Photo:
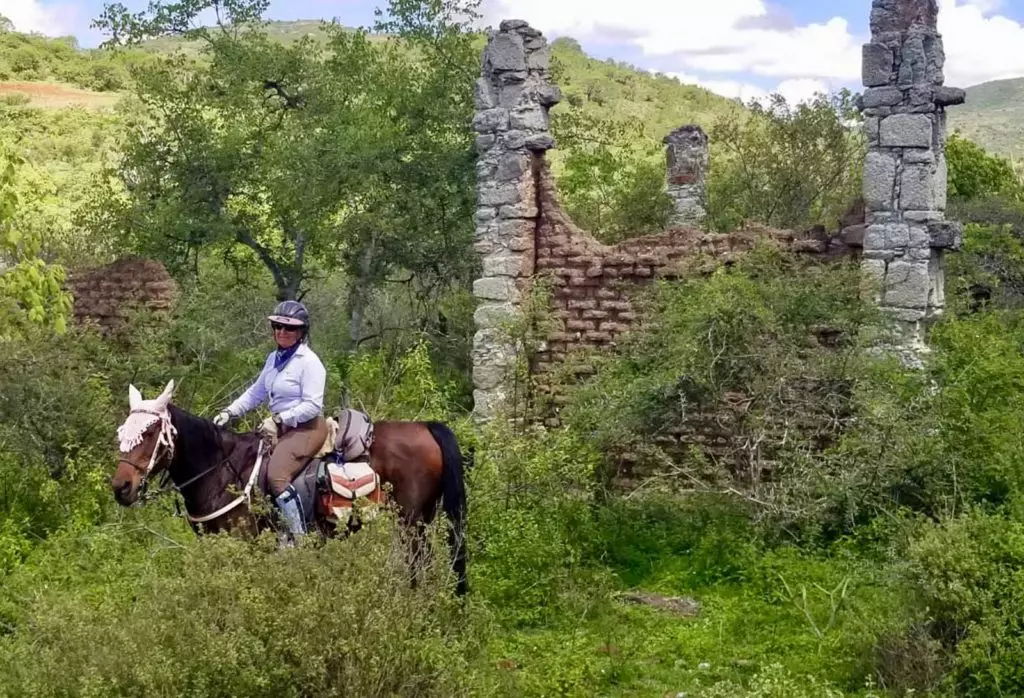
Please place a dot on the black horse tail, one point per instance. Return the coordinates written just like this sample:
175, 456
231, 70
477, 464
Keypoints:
453, 499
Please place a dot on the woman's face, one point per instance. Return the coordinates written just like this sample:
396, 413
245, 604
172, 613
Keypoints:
285, 336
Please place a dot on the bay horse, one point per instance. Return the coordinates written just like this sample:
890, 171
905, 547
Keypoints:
206, 464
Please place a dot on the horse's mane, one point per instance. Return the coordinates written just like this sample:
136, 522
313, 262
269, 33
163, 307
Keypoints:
201, 443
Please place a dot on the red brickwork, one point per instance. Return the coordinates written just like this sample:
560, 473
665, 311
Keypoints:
104, 296
592, 282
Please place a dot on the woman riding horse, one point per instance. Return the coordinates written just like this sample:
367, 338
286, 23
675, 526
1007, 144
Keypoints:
292, 380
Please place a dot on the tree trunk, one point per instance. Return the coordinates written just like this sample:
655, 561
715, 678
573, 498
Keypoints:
359, 296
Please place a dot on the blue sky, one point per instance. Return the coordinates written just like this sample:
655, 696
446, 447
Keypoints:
735, 47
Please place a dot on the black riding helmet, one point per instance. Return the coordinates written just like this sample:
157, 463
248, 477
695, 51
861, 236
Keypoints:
291, 313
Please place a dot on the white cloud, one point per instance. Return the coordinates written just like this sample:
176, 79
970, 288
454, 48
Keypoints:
795, 90
979, 47
32, 16
753, 37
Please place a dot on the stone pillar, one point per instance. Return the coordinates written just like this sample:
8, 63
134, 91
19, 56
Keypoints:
686, 155
905, 168
513, 97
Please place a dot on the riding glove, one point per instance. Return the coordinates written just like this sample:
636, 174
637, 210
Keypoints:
269, 429
222, 418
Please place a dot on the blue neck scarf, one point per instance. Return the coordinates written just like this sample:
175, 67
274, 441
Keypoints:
282, 355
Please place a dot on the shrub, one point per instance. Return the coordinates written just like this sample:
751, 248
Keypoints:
218, 617
966, 572
530, 503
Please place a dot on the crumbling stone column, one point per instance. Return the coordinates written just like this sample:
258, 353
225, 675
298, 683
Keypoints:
905, 168
513, 97
686, 156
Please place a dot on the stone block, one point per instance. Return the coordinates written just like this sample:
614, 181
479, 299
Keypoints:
549, 95
913, 61
499, 195
886, 236
881, 97
491, 120
511, 166
505, 52
871, 129
922, 216
917, 188
853, 236
513, 140
936, 56
539, 59
484, 143
916, 156
484, 215
877, 65
510, 25
485, 169
510, 96
940, 181
928, 108
919, 237
494, 315
540, 142
906, 285
908, 314
905, 131
879, 180
946, 235
499, 288
530, 119
504, 265
484, 96
949, 96
921, 94
527, 208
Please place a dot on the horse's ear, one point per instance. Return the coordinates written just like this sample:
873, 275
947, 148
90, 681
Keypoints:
165, 396
134, 397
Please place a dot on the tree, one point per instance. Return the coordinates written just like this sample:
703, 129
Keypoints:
974, 173
785, 166
31, 291
613, 177
302, 157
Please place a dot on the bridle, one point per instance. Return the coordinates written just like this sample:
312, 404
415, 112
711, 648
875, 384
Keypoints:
165, 439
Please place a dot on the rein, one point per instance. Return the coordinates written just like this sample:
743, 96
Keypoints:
166, 438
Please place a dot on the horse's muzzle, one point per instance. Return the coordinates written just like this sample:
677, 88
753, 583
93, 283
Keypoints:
124, 494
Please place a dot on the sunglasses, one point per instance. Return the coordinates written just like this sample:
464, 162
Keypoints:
287, 328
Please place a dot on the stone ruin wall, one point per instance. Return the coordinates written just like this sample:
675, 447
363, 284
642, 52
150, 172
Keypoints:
523, 233
904, 107
898, 230
105, 296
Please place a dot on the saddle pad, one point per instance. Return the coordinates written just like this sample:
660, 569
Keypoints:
352, 480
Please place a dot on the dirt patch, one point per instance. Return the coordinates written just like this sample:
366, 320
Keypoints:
49, 95
676, 605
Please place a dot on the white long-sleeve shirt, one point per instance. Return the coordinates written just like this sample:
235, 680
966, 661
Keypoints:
296, 392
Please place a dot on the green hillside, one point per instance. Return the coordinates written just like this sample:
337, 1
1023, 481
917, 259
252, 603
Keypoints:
993, 116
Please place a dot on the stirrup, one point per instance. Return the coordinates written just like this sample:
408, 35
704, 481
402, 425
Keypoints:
290, 506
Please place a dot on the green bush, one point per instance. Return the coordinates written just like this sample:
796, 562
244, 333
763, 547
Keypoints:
218, 617
530, 501
966, 572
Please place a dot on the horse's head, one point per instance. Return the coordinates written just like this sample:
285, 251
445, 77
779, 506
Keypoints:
146, 442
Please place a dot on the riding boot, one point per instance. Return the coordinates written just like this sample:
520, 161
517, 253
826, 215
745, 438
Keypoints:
290, 506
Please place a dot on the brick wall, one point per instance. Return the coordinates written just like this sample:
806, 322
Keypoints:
103, 296
592, 283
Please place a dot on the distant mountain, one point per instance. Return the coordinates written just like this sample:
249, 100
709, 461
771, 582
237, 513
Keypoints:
993, 117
